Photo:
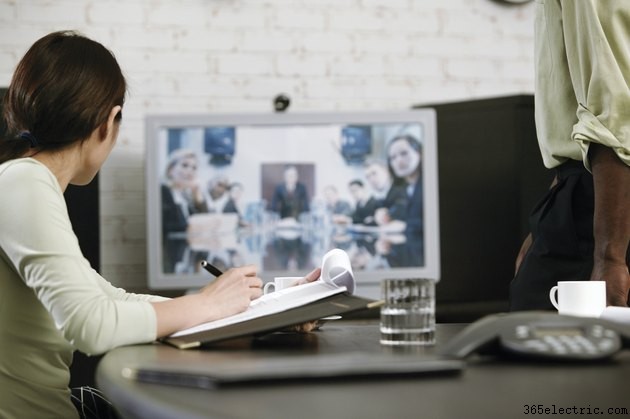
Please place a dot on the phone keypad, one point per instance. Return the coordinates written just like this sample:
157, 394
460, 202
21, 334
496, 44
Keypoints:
595, 341
570, 344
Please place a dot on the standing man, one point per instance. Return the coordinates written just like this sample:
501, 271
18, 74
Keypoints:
581, 229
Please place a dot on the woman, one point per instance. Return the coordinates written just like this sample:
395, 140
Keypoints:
181, 193
404, 156
181, 197
63, 111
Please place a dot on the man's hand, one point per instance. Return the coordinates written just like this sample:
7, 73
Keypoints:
617, 283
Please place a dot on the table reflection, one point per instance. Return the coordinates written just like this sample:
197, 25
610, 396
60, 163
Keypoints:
286, 244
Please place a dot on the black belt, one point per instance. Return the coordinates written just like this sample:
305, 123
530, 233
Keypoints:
571, 167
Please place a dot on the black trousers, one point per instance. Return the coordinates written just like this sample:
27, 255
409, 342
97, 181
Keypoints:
562, 246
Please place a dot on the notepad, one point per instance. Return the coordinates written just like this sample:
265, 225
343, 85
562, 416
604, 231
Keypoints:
274, 302
329, 295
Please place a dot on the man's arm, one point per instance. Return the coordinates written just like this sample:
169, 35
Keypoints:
611, 224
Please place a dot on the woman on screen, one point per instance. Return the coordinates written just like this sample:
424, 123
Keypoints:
181, 197
404, 154
181, 192
63, 111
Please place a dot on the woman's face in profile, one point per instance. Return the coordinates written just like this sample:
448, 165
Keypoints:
403, 159
183, 171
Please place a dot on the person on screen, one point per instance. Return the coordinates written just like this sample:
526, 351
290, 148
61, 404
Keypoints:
290, 198
391, 198
338, 209
217, 194
180, 198
63, 111
235, 192
181, 193
580, 229
404, 156
233, 204
365, 206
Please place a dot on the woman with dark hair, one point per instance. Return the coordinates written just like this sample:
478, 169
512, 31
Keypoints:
63, 110
404, 157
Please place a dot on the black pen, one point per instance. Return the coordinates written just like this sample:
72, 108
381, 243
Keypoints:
211, 268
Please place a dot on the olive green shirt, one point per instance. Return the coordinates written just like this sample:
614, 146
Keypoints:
582, 78
51, 301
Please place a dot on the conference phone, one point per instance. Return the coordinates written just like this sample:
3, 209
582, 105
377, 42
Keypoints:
540, 335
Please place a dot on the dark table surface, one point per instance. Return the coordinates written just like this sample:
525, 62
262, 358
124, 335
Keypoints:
486, 387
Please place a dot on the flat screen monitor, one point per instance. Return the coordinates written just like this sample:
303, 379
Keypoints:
280, 190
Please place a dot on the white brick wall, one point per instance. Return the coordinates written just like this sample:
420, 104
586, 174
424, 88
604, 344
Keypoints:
222, 56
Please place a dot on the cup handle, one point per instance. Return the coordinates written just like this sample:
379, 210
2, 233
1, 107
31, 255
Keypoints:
552, 296
268, 285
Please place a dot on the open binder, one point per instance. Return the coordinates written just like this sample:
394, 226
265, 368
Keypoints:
330, 295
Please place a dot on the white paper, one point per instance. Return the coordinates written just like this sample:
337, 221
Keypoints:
616, 314
336, 270
336, 278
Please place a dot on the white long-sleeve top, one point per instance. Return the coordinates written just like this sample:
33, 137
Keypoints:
51, 300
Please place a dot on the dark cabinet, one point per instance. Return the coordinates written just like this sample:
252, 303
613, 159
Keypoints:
490, 176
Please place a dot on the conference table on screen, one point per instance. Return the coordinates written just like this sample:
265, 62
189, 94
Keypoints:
487, 387
278, 247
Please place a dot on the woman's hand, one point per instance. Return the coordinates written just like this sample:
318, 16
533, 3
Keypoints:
232, 292
314, 275
229, 294
310, 277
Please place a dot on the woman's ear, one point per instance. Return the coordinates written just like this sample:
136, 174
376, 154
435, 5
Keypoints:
110, 127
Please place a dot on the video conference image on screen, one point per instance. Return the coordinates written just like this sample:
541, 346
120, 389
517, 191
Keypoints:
281, 196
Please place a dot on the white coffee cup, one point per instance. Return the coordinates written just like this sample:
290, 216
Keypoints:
280, 282
579, 298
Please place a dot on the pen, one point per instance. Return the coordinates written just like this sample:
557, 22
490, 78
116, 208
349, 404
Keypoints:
211, 268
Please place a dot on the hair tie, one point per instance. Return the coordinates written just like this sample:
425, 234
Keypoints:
26, 135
